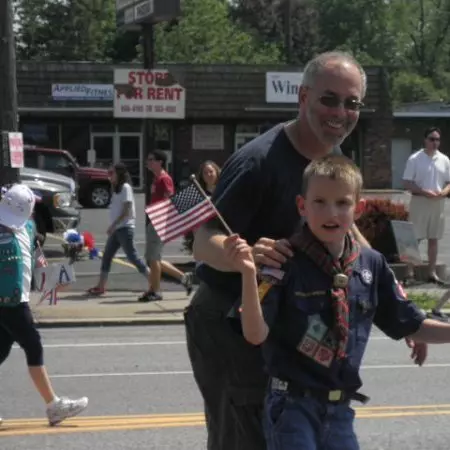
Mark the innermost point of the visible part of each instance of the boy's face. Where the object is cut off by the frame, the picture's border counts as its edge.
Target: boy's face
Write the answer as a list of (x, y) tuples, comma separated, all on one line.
[(330, 208)]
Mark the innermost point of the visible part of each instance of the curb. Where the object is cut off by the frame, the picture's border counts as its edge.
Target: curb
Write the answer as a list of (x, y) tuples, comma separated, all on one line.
[(124, 322)]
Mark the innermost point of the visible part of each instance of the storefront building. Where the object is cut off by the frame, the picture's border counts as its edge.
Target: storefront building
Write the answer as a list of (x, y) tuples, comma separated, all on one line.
[(70, 106)]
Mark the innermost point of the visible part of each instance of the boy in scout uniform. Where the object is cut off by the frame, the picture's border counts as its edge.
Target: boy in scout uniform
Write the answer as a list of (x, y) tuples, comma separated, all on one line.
[(315, 316)]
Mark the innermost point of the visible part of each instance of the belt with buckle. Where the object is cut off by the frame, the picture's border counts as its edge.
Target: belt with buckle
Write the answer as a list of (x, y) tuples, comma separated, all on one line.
[(331, 396)]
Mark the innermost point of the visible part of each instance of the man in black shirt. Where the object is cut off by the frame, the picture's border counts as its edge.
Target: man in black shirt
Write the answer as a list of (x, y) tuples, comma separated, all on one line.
[(256, 196)]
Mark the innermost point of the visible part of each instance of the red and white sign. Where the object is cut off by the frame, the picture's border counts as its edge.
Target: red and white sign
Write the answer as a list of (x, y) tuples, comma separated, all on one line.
[(148, 94), (15, 141)]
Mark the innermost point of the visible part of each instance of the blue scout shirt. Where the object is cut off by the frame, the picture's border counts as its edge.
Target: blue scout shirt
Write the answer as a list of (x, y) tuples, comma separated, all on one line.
[(300, 347)]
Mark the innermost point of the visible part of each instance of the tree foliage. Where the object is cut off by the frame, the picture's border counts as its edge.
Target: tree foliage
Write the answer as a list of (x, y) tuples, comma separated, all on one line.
[(410, 37)]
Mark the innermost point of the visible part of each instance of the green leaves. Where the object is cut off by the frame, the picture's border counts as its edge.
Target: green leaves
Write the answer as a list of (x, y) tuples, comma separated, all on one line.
[(410, 37), (205, 34)]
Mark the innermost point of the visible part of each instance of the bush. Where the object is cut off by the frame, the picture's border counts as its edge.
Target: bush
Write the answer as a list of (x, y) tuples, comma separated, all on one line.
[(374, 225)]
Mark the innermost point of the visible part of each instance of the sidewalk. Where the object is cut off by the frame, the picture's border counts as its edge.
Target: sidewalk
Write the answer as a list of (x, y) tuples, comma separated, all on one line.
[(114, 308), (76, 309)]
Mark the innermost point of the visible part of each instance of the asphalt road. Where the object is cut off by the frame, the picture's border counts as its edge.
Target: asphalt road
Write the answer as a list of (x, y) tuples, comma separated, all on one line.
[(96, 222), (143, 396)]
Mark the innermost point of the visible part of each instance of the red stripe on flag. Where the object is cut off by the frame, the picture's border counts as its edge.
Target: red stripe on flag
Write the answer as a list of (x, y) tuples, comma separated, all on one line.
[(169, 224)]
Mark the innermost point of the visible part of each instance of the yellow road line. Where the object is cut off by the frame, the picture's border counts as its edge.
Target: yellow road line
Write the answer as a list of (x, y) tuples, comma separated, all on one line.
[(85, 424)]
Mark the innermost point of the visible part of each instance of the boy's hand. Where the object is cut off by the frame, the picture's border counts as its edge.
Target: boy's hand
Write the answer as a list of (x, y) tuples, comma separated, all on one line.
[(419, 351), (239, 254)]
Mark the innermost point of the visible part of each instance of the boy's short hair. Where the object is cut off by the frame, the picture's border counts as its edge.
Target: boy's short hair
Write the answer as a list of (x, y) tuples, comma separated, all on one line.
[(334, 167)]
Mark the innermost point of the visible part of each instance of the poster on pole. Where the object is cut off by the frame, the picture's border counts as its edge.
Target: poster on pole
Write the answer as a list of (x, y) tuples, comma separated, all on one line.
[(148, 94)]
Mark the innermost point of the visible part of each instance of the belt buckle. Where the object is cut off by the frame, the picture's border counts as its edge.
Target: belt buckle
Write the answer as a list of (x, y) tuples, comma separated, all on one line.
[(334, 396), (279, 385)]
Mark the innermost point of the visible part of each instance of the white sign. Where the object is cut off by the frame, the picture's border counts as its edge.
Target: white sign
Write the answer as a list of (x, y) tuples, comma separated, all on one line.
[(91, 157), (15, 141), (152, 94), (143, 10), (207, 137), (283, 87), (54, 276), (121, 4), (83, 92), (138, 12)]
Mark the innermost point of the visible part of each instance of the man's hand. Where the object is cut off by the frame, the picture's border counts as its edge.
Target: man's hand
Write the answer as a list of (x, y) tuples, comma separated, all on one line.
[(419, 351), (430, 194), (269, 252)]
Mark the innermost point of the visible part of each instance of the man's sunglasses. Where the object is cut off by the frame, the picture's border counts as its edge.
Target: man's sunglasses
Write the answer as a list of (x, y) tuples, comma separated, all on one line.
[(333, 101)]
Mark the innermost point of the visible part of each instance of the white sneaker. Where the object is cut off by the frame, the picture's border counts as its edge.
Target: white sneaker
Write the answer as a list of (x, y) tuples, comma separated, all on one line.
[(65, 408)]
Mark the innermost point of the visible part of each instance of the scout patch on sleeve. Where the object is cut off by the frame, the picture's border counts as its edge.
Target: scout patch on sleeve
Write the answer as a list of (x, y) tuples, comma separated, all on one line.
[(271, 275), (263, 289), (318, 343), (398, 286)]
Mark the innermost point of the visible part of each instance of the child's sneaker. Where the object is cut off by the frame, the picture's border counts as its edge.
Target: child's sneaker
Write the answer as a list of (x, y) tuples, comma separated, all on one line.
[(64, 408), (187, 281)]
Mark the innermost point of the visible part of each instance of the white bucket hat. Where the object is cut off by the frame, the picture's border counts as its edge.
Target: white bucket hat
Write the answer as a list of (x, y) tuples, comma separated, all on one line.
[(16, 206)]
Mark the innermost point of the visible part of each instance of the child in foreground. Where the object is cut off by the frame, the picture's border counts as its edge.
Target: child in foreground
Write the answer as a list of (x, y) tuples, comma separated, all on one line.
[(314, 317), (17, 241)]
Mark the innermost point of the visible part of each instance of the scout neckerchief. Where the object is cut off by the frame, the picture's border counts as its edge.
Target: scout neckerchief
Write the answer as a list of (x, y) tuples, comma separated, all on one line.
[(339, 269)]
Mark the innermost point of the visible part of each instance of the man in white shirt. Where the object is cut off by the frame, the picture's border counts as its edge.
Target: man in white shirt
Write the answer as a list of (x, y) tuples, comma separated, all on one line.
[(427, 177)]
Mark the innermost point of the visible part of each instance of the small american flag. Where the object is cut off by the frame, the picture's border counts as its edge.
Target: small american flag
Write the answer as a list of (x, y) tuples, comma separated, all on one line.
[(40, 260), (180, 213)]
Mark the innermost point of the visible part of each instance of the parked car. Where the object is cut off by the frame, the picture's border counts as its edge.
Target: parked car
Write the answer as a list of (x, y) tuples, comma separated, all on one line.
[(94, 185), (58, 209)]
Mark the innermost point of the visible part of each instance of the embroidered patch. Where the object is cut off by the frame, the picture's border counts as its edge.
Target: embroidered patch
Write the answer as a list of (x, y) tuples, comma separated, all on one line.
[(324, 356), (329, 340), (316, 328), (367, 276), (278, 274), (402, 292), (263, 289), (308, 346)]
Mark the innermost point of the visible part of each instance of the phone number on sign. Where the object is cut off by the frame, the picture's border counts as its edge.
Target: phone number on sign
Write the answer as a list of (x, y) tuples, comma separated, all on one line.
[(149, 108)]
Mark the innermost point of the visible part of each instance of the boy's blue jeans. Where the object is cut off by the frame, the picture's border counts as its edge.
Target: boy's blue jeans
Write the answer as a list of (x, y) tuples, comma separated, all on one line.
[(304, 423)]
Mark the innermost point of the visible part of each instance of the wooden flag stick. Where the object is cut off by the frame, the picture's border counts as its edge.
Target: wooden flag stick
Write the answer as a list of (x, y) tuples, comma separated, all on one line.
[(202, 191)]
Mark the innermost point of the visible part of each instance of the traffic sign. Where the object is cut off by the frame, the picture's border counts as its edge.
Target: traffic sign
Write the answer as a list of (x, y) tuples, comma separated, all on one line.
[(130, 14)]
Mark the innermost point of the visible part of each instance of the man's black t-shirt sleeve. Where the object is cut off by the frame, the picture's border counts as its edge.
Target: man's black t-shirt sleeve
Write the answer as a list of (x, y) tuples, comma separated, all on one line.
[(239, 193)]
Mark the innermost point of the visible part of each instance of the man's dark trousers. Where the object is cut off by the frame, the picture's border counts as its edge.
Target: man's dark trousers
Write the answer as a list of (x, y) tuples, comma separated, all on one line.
[(228, 371)]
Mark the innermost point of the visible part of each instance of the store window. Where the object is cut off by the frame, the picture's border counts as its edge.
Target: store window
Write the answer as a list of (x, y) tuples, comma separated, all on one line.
[(75, 138), (40, 134)]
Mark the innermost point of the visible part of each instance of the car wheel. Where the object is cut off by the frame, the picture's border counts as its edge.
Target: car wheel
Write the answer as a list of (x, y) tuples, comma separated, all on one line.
[(100, 196)]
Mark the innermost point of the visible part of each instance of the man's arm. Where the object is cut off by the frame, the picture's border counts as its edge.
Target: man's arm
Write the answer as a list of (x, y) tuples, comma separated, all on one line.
[(209, 247), (237, 197), (414, 189), (446, 191)]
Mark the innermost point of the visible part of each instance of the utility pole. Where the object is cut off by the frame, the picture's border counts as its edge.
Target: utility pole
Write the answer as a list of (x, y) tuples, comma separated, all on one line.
[(8, 90), (148, 125)]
